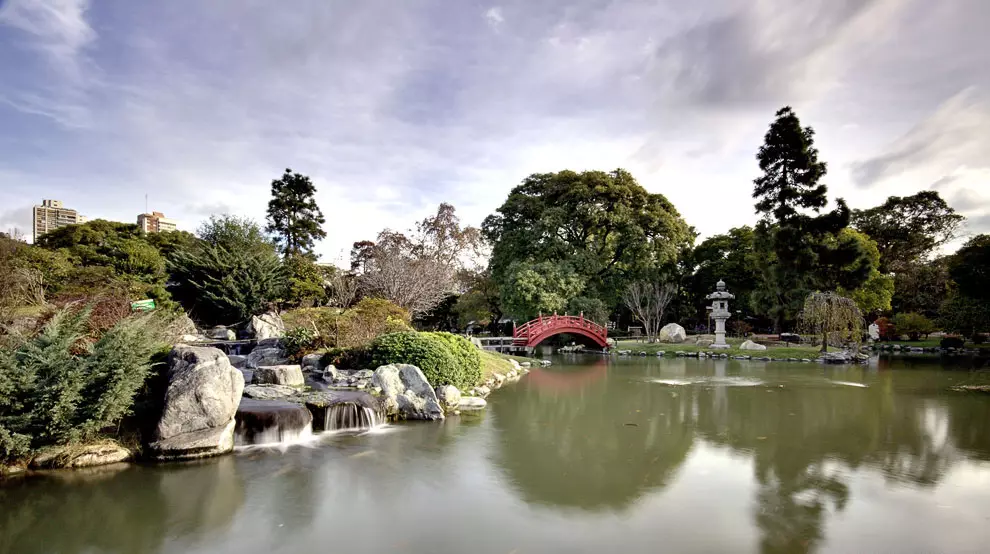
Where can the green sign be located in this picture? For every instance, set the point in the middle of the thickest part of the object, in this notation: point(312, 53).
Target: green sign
point(143, 305)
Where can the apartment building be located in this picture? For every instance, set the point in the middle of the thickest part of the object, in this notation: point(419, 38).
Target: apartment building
point(51, 215)
point(155, 222)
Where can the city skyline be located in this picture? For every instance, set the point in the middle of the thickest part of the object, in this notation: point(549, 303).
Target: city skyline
point(394, 109)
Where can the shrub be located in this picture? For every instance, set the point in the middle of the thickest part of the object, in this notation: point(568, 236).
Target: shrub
point(424, 350)
point(952, 342)
point(468, 355)
point(348, 358)
point(887, 329)
point(300, 341)
point(56, 388)
point(356, 326)
point(913, 325)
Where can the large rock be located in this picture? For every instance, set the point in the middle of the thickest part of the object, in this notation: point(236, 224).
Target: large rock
point(472, 403)
point(449, 398)
point(311, 362)
point(270, 392)
point(237, 360)
point(290, 375)
point(86, 455)
point(266, 326)
point(203, 393)
point(406, 393)
point(266, 357)
point(672, 332)
point(222, 333)
point(181, 329)
point(750, 345)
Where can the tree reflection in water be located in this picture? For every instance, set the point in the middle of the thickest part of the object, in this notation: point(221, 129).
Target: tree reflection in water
point(603, 445)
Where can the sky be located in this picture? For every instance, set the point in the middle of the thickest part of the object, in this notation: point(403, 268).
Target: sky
point(392, 107)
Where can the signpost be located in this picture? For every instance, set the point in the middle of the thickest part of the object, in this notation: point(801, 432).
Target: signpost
point(143, 305)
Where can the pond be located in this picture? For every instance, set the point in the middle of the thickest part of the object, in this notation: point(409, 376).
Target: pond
point(589, 455)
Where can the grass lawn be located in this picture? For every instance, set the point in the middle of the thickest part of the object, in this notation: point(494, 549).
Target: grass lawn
point(493, 362)
point(928, 343)
point(771, 352)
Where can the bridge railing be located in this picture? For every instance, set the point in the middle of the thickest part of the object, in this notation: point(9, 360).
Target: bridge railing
point(550, 322)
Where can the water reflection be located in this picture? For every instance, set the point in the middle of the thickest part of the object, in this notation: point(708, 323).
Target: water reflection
point(606, 444)
point(119, 510)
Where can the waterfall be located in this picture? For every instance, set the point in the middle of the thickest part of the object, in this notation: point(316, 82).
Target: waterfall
point(272, 423)
point(349, 416)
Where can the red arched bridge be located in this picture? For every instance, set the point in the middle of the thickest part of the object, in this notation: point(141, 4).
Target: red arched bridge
point(534, 332)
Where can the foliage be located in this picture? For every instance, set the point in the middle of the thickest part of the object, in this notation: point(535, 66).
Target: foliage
point(293, 215)
point(740, 328)
point(230, 275)
point(119, 246)
point(425, 351)
point(441, 318)
point(875, 294)
point(307, 281)
point(908, 229)
point(417, 273)
point(300, 341)
point(922, 287)
point(647, 302)
point(168, 242)
point(591, 232)
point(965, 315)
point(730, 257)
point(970, 268)
point(480, 302)
point(591, 308)
point(356, 326)
point(887, 329)
point(798, 252)
point(468, 356)
point(57, 388)
point(836, 318)
point(952, 342)
point(913, 325)
point(545, 287)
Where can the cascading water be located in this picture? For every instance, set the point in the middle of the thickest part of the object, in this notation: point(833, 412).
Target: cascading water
point(349, 416)
point(272, 423)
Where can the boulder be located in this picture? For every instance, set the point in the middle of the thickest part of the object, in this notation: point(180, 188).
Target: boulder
point(270, 392)
point(406, 393)
point(181, 329)
point(449, 398)
point(672, 332)
point(222, 333)
point(84, 455)
point(704, 343)
point(290, 375)
point(471, 403)
point(750, 345)
point(237, 360)
point(311, 362)
point(266, 326)
point(266, 357)
point(201, 399)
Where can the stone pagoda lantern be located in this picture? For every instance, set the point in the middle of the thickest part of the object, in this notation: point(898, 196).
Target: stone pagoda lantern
point(720, 312)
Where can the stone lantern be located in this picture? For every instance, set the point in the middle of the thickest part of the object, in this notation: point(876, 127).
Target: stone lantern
point(720, 312)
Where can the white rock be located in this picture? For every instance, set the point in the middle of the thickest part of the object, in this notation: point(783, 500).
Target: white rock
point(672, 332)
point(449, 398)
point(290, 375)
point(406, 393)
point(203, 393)
point(266, 357)
point(311, 362)
point(472, 403)
point(266, 326)
point(750, 345)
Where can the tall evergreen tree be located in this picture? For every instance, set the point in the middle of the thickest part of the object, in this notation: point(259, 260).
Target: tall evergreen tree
point(801, 248)
point(293, 215)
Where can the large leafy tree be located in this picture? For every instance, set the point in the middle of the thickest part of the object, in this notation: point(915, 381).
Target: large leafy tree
point(729, 257)
point(970, 268)
point(293, 215)
point(121, 248)
point(922, 287)
point(800, 249)
point(591, 233)
point(230, 274)
point(875, 294)
point(908, 229)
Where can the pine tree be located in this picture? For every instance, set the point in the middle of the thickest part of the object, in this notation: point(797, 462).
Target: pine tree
point(800, 251)
point(293, 214)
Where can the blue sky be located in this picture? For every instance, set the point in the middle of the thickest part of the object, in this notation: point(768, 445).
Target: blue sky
point(393, 107)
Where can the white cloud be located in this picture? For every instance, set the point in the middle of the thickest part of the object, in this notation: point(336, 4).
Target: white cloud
point(494, 16)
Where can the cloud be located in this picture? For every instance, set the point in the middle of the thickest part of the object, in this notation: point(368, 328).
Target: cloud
point(494, 16)
point(57, 27)
point(19, 219)
point(952, 136)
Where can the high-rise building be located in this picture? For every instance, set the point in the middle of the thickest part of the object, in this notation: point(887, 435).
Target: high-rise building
point(51, 215)
point(155, 222)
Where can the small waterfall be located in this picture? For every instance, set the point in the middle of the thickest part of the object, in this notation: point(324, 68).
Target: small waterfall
point(349, 416)
point(272, 423)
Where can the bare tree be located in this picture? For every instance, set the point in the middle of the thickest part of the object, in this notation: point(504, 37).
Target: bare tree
point(647, 302)
point(836, 318)
point(341, 287)
point(419, 273)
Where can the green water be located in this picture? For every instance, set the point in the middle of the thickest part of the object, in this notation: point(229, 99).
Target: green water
point(635, 455)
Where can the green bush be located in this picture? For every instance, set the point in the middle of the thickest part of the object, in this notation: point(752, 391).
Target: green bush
point(356, 357)
point(300, 341)
point(952, 342)
point(913, 325)
point(353, 327)
point(426, 351)
point(58, 388)
point(468, 355)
